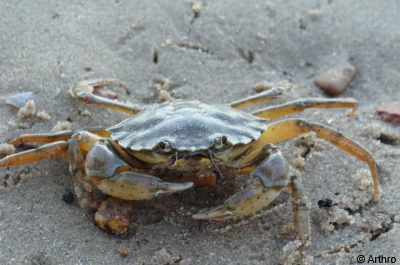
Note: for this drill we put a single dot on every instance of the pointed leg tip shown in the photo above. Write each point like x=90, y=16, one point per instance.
x=198, y=216
x=170, y=187
x=182, y=186
x=202, y=215
x=189, y=185
x=376, y=197
x=218, y=213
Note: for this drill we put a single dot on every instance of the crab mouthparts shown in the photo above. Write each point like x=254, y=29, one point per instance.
x=185, y=154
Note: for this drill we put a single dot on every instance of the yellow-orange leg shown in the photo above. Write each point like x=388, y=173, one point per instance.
x=302, y=104
x=300, y=209
x=286, y=129
x=83, y=90
x=34, y=155
x=87, y=140
x=84, y=188
x=53, y=137
x=258, y=98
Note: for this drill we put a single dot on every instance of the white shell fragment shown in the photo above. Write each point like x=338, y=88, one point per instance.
x=19, y=100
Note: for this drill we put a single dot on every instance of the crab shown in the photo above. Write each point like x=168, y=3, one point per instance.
x=193, y=140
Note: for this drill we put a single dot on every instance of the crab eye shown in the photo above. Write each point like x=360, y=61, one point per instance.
x=164, y=146
x=220, y=142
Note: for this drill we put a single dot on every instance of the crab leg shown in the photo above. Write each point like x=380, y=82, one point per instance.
x=53, y=137
x=302, y=104
x=300, y=210
x=34, y=155
x=286, y=129
x=84, y=188
x=83, y=90
x=258, y=98
x=87, y=140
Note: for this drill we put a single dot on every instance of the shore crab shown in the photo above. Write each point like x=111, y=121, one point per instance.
x=127, y=161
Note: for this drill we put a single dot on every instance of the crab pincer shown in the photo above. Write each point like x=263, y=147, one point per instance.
x=270, y=176
x=245, y=202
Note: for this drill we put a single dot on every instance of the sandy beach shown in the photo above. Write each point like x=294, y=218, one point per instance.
x=214, y=52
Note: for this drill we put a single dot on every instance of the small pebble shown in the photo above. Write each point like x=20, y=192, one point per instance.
x=347, y=249
x=124, y=251
x=7, y=149
x=314, y=14
x=68, y=196
x=390, y=113
x=61, y=126
x=299, y=162
x=196, y=8
x=165, y=95
x=115, y=215
x=43, y=115
x=326, y=203
x=335, y=81
x=165, y=83
x=28, y=110
x=262, y=87
x=85, y=113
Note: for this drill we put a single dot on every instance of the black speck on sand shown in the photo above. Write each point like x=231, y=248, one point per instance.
x=215, y=55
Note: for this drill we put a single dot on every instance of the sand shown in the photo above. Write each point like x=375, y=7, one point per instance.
x=213, y=51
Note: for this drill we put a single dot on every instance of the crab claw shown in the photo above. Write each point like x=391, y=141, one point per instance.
x=171, y=187
x=84, y=88
x=92, y=92
x=243, y=203
x=221, y=212
x=136, y=186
